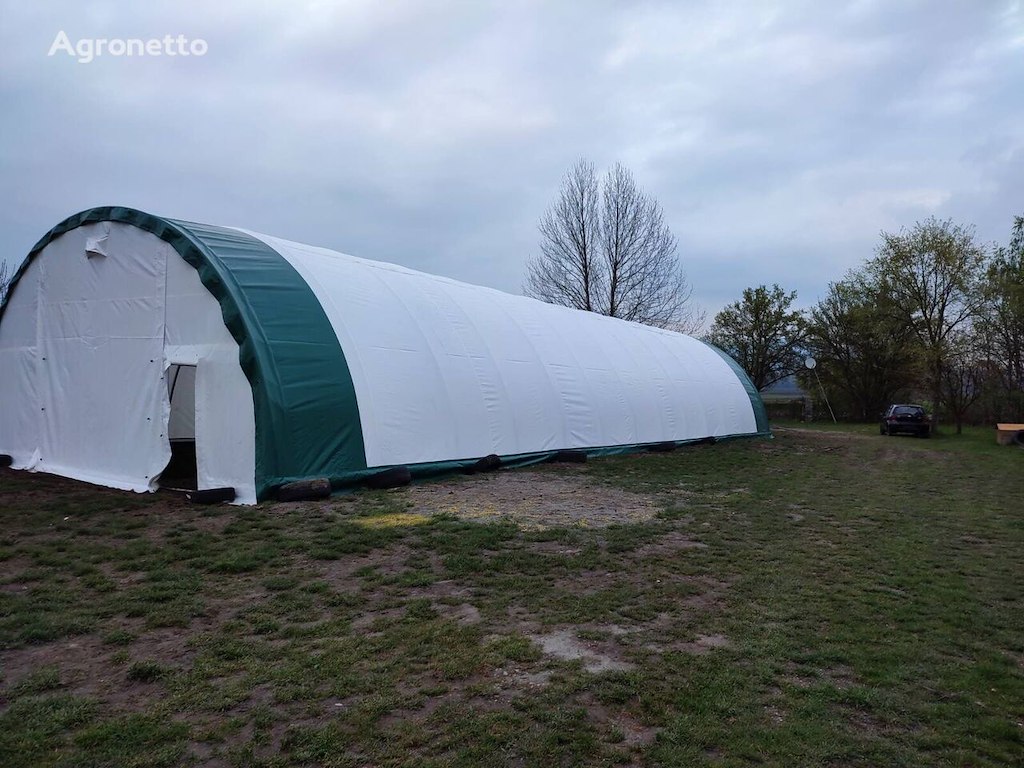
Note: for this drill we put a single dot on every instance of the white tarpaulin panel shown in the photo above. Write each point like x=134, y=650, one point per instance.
x=101, y=334
x=222, y=419
x=444, y=370
x=19, y=359
x=87, y=340
x=225, y=430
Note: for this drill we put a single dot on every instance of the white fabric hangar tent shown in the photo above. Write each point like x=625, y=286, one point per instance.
x=123, y=333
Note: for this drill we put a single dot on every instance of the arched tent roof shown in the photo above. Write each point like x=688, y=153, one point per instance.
x=357, y=365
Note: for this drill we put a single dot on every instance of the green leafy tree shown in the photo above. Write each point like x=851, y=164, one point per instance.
x=1001, y=326
x=963, y=375
x=763, y=333
x=930, y=279
x=865, y=355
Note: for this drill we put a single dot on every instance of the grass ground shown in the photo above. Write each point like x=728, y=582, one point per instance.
x=830, y=597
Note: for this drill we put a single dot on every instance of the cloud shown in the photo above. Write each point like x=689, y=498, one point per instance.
x=781, y=138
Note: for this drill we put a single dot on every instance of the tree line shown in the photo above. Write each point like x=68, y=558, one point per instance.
x=933, y=316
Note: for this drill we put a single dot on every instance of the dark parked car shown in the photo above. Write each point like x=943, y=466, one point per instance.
x=908, y=419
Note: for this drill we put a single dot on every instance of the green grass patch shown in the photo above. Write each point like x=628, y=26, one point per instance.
x=829, y=597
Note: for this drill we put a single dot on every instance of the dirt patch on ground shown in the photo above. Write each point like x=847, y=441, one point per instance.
x=76, y=657
x=90, y=668
x=820, y=434
x=344, y=573
x=669, y=544
x=630, y=732
x=463, y=613
x=566, y=646
x=533, y=500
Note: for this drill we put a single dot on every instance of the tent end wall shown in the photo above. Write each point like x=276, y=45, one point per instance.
x=136, y=248
x=249, y=281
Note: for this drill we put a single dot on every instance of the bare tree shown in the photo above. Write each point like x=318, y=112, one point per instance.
x=567, y=270
x=643, y=279
x=606, y=248
x=5, y=280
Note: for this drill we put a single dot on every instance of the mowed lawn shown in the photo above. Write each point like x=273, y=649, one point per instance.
x=829, y=597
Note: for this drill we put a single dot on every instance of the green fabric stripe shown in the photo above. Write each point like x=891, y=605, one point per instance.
x=307, y=418
x=760, y=414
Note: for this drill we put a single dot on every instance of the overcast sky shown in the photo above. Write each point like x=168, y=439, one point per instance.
x=780, y=138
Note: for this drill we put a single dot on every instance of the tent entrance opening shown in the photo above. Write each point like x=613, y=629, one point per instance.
x=182, y=469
